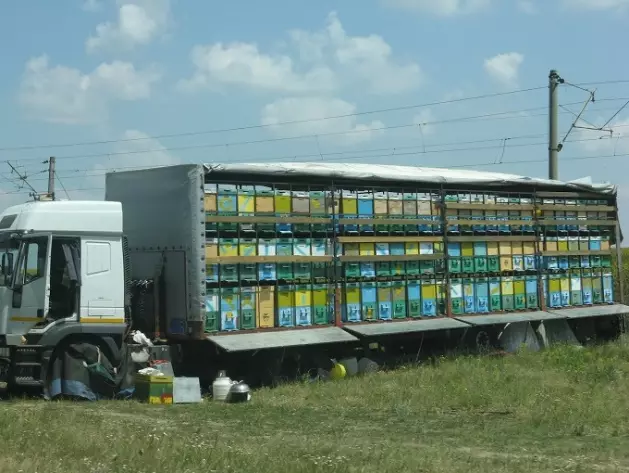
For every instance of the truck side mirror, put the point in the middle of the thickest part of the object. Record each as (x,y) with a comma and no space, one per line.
(7,264)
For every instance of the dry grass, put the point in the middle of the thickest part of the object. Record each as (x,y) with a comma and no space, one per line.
(560,410)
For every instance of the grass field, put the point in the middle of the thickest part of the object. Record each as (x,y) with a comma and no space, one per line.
(565,409)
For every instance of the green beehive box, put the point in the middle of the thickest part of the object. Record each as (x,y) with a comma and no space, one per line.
(248,272)
(212,310)
(520,293)
(480,264)
(455,265)
(319,270)
(493,264)
(383,269)
(495,299)
(508,294)
(427,267)
(228,272)
(412,268)
(574,262)
(303,270)
(399,299)
(352,270)
(320,297)
(606,261)
(285,271)
(456,296)
(468,264)
(248,308)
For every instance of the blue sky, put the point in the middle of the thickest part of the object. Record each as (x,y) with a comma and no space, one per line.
(120,74)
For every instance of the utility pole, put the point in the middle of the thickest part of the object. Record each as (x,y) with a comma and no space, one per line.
(51,178)
(553,113)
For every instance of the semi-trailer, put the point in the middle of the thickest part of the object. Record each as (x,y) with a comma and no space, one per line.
(266,268)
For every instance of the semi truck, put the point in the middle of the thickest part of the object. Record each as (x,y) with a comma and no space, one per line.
(268,269)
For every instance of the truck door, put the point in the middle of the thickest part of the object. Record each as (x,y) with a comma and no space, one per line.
(31,284)
(9,250)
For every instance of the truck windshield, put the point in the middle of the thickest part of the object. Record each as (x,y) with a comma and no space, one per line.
(8,247)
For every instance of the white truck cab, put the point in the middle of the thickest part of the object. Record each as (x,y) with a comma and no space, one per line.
(62,274)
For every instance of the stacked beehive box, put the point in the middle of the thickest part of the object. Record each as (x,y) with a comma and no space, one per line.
(280,257)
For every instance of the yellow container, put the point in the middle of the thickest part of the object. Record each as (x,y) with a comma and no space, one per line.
(505,248)
(380,204)
(350,204)
(211,248)
(516,248)
(265,202)
(246,203)
(506,286)
(247,247)
(528,248)
(554,285)
(303,296)
(562,244)
(367,249)
(265,314)
(467,249)
(352,295)
(320,296)
(429,291)
(283,202)
(506,263)
(551,245)
(286,297)
(209,203)
(228,248)
(396,206)
(412,248)
(423,208)
(492,248)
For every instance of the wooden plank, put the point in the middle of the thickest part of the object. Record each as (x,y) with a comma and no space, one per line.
(574,221)
(466,221)
(270,219)
(576,253)
(388,239)
(267,259)
(384,221)
(484,238)
(569,195)
(378,258)
(480,206)
(580,208)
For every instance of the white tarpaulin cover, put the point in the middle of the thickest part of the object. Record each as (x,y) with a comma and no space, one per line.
(408,174)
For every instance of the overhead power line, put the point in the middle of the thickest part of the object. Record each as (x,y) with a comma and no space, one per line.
(397,152)
(512,114)
(271,125)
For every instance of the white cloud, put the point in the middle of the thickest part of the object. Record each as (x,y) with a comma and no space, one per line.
(441,7)
(597,4)
(243,64)
(136,150)
(139,23)
(91,5)
(312,108)
(61,94)
(600,142)
(505,68)
(323,61)
(528,7)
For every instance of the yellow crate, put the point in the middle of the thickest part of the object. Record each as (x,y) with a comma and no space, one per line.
(160,400)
